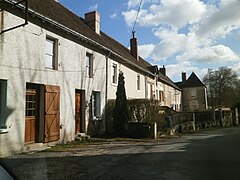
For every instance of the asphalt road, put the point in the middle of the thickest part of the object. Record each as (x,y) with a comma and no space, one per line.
(205,155)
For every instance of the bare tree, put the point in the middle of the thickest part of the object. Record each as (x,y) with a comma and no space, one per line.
(222,87)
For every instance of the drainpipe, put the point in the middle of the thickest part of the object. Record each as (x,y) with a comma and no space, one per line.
(15,4)
(106,90)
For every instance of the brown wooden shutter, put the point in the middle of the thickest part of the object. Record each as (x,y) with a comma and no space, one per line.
(52,113)
(91,66)
(77,112)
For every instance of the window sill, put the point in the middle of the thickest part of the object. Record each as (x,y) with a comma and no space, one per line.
(50,69)
(3,131)
(114,84)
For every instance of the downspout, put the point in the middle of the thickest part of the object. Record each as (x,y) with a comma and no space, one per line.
(106,91)
(15,4)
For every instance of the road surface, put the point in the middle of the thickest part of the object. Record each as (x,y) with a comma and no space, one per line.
(205,155)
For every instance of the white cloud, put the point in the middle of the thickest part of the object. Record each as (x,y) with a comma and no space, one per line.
(188,31)
(145,50)
(174,70)
(236,68)
(170,44)
(93,7)
(113,16)
(176,13)
(136,3)
(217,54)
(221,22)
(130,16)
(133,3)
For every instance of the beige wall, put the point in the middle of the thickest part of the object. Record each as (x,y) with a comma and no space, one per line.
(194,99)
(172,96)
(130,82)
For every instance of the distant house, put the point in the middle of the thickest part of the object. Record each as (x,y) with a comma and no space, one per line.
(57,72)
(168,93)
(194,94)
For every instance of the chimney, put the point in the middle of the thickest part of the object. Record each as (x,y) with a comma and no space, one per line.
(134,46)
(93,20)
(184,76)
(163,70)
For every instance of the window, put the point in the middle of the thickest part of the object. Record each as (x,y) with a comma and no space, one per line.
(161,96)
(193,93)
(157,98)
(96,104)
(89,65)
(3,103)
(30,102)
(138,82)
(1,21)
(114,73)
(51,54)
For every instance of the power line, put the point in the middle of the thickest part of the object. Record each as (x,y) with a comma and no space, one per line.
(135,22)
(139,7)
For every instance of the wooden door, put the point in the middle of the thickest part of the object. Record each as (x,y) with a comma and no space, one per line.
(77,112)
(30,116)
(52,113)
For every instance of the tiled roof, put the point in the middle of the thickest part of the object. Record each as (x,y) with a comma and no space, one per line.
(192,81)
(167,80)
(58,13)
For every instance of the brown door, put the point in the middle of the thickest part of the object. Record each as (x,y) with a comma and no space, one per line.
(30,116)
(52,113)
(77,112)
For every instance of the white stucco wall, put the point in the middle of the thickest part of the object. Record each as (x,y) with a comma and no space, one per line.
(130,82)
(22,60)
(172,96)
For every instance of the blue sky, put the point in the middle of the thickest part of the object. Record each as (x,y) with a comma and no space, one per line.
(183,35)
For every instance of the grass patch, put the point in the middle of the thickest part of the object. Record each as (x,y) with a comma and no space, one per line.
(75,144)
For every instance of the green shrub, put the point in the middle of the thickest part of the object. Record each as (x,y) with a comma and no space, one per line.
(120,110)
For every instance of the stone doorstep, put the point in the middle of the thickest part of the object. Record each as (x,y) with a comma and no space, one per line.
(28,148)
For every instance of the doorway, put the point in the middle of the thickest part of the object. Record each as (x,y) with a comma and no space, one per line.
(79,111)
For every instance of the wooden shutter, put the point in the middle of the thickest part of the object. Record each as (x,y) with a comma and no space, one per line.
(3,103)
(77,112)
(97,104)
(52,113)
(91,66)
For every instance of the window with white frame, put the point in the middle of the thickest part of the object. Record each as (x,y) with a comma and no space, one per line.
(193,92)
(51,53)
(89,65)
(138,82)
(114,73)
(96,104)
(3,104)
(161,95)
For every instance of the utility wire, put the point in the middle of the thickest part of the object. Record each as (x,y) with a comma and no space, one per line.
(135,22)
(139,7)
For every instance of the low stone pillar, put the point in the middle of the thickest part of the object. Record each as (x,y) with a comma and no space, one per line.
(194,122)
(154,130)
(236,114)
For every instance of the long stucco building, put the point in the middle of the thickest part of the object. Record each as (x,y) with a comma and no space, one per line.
(57,72)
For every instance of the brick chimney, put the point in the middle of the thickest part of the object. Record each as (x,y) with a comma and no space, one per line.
(163,70)
(134,46)
(93,20)
(184,76)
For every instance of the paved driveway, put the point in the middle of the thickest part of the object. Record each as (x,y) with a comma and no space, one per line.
(205,155)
